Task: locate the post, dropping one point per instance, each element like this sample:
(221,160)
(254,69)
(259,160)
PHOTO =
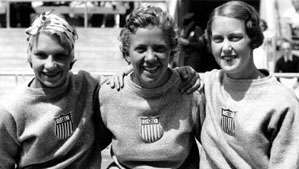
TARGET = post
(86,15)
(7,14)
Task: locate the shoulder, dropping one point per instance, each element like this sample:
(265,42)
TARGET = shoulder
(13,103)
(212,76)
(83,79)
(281,95)
(296,57)
(106,91)
(5,115)
(280,60)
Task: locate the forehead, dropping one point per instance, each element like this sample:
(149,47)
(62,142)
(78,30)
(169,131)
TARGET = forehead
(225,25)
(286,45)
(148,35)
(47,43)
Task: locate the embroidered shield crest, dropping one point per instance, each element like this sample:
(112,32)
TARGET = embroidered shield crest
(64,126)
(228,121)
(151,130)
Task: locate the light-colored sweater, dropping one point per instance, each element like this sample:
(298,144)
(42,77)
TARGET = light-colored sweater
(50,128)
(152,128)
(249,124)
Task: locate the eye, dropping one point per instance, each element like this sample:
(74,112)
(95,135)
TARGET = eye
(217,38)
(61,56)
(41,55)
(235,37)
(140,49)
(160,48)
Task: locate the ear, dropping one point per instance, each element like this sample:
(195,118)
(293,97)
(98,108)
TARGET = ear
(72,63)
(127,58)
(29,60)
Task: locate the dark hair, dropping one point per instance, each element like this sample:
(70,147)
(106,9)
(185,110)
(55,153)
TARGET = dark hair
(242,11)
(143,17)
(264,24)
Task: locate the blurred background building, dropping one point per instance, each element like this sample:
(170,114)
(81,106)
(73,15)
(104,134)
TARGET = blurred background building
(98,24)
(99,21)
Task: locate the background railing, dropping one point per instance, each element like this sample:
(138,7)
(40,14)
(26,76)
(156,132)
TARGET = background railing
(20,77)
(84,9)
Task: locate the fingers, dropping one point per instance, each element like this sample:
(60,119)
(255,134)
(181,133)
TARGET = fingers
(110,82)
(117,83)
(198,85)
(183,73)
(188,85)
(122,79)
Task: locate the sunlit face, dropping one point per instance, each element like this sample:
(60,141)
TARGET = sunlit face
(231,46)
(149,54)
(50,61)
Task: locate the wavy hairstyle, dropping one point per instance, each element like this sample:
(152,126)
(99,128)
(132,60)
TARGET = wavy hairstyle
(146,16)
(244,12)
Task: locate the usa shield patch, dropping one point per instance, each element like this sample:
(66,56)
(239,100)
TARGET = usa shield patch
(151,130)
(64,126)
(228,121)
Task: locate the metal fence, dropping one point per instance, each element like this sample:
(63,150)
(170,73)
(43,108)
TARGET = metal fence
(84,9)
(21,77)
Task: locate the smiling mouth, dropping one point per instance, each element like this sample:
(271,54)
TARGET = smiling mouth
(151,69)
(51,75)
(228,57)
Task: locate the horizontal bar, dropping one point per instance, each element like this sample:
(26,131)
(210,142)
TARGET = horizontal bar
(66,9)
(286,75)
(86,0)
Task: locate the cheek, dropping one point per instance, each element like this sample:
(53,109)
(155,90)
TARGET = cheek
(215,49)
(244,49)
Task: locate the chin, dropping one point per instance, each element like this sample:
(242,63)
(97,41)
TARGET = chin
(52,85)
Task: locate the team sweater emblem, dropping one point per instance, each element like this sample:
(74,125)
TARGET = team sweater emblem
(228,121)
(150,130)
(64,126)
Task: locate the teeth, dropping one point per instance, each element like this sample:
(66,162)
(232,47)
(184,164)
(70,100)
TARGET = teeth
(228,57)
(151,68)
(51,74)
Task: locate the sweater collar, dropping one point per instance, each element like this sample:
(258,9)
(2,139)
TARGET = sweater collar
(50,92)
(155,92)
(245,84)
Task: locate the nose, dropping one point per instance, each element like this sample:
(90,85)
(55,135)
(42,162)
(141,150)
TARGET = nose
(226,47)
(150,55)
(50,63)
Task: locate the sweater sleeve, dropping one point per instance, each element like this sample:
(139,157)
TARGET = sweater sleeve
(8,141)
(103,135)
(284,152)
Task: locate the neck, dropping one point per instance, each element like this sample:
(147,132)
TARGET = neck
(37,84)
(154,85)
(253,73)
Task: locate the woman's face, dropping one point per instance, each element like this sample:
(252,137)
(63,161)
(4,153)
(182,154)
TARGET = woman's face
(149,54)
(50,61)
(231,46)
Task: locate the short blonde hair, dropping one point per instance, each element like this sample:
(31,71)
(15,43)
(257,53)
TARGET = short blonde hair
(53,25)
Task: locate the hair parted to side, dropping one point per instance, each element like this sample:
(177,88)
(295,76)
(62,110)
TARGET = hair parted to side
(244,12)
(53,25)
(146,16)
